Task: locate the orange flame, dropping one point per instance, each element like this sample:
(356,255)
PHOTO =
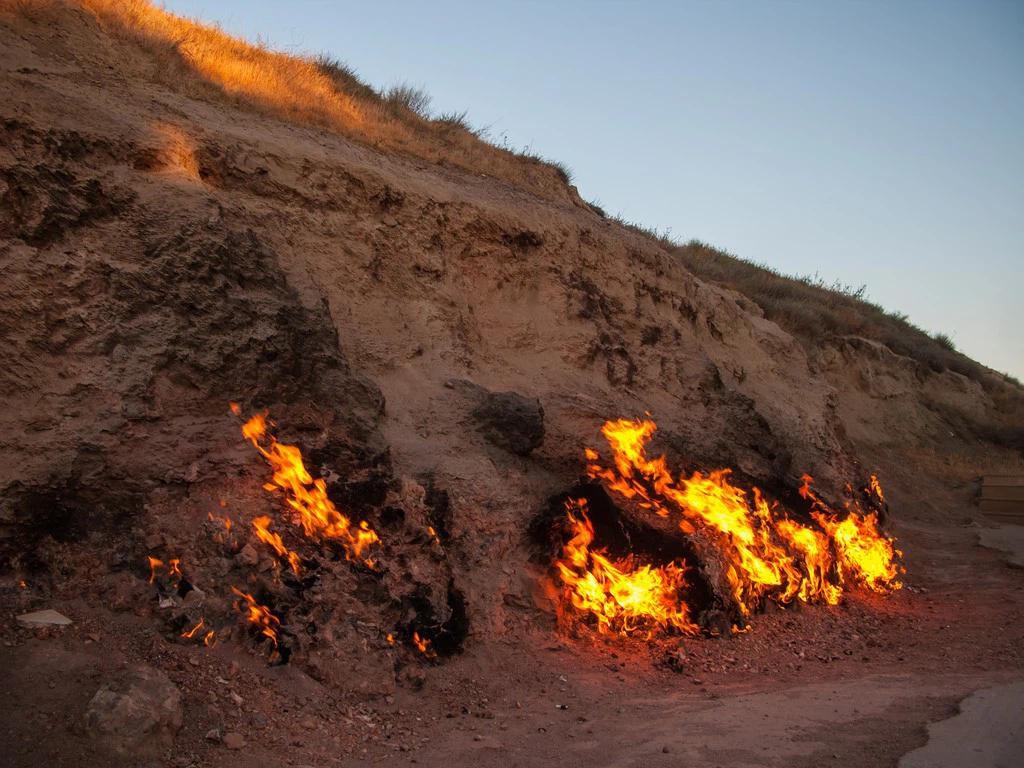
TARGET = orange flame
(261,525)
(875,488)
(307,497)
(767,554)
(423,645)
(188,635)
(173,567)
(155,564)
(258,615)
(622,596)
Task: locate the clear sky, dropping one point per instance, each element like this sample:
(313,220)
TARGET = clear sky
(877,143)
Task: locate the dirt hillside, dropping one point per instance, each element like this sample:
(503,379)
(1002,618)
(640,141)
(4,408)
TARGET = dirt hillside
(167,253)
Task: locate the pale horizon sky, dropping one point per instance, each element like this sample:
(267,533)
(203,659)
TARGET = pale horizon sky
(878,144)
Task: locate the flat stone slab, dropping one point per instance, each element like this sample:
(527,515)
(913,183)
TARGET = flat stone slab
(47,618)
(1008,539)
(987,733)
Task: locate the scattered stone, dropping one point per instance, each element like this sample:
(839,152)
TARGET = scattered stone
(234,741)
(214,735)
(138,714)
(47,618)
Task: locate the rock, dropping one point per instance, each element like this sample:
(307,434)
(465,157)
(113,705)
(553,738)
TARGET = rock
(506,419)
(138,714)
(47,618)
(234,741)
(213,735)
(249,556)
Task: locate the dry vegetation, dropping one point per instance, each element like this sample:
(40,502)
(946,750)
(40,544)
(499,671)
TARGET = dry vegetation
(206,62)
(815,310)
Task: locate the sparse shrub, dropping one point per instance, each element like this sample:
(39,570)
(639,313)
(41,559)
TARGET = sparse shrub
(459,120)
(405,96)
(345,77)
(814,310)
(596,208)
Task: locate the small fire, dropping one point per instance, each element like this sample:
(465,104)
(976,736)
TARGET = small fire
(307,497)
(423,645)
(191,633)
(262,527)
(623,596)
(258,615)
(766,553)
(875,488)
(173,567)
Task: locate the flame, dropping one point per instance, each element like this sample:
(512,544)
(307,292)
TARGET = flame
(875,488)
(623,596)
(766,553)
(423,645)
(173,567)
(258,615)
(188,635)
(316,513)
(261,525)
(210,639)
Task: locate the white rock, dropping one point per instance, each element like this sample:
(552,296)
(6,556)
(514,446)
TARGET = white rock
(47,618)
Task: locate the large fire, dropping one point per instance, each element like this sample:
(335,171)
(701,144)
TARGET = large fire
(766,554)
(306,496)
(623,596)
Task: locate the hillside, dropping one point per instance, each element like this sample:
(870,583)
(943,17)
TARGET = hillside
(442,327)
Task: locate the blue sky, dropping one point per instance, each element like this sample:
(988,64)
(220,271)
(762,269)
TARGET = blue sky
(872,143)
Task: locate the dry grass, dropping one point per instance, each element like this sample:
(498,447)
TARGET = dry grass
(814,310)
(203,61)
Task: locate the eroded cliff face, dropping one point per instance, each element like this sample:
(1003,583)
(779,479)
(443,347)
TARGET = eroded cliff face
(163,256)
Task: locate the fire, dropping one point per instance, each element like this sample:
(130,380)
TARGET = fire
(189,634)
(622,596)
(261,525)
(173,567)
(258,615)
(766,553)
(423,645)
(875,488)
(307,497)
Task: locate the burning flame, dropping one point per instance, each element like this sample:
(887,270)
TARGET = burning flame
(189,634)
(173,567)
(767,554)
(262,527)
(316,513)
(258,615)
(623,597)
(423,645)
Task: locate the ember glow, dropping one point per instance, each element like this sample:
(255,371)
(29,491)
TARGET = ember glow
(765,552)
(307,497)
(623,596)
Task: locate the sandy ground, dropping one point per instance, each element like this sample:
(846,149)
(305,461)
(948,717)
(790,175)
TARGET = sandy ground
(854,685)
